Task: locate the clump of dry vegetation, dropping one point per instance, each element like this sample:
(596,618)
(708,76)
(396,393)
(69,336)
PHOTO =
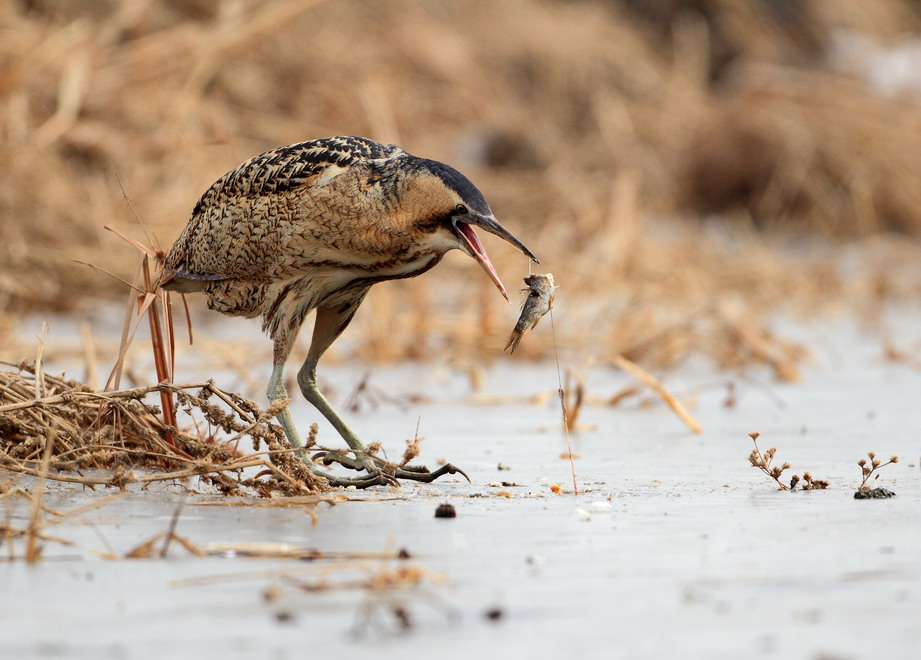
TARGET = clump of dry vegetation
(119,432)
(763,461)
(581,122)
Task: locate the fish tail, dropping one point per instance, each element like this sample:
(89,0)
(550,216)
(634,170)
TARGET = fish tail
(513,340)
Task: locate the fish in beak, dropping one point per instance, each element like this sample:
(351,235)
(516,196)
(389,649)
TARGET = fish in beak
(470,242)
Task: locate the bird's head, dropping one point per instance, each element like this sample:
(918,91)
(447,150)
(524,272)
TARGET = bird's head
(449,207)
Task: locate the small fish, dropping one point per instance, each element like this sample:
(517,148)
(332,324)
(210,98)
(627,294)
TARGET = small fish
(537,303)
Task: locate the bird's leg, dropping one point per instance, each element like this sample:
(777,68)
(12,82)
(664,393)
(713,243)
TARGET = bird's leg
(307,379)
(276,391)
(329,324)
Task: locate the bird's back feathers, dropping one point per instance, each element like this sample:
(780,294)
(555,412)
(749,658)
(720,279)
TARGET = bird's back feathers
(286,230)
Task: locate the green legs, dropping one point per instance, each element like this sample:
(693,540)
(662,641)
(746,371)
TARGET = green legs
(330,322)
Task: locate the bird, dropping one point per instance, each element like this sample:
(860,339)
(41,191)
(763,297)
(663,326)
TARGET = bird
(310,227)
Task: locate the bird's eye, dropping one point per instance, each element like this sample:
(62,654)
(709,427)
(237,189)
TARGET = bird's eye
(460,209)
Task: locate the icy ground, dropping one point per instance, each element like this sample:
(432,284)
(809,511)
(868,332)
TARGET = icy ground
(676,547)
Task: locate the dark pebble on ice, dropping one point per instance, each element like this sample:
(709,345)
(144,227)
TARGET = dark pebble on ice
(445,511)
(875,494)
(283,616)
(494,613)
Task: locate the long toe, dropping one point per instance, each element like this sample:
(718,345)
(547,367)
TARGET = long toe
(370,464)
(380,473)
(374,479)
(420,473)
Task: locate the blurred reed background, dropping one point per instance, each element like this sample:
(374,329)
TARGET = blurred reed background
(687,169)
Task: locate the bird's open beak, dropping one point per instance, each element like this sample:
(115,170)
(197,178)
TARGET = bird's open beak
(470,243)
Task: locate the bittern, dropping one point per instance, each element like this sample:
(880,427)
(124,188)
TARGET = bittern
(312,226)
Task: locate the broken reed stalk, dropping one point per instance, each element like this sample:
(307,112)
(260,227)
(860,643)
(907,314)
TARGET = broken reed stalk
(33,550)
(89,356)
(758,340)
(151,298)
(578,396)
(651,381)
(562,393)
(39,364)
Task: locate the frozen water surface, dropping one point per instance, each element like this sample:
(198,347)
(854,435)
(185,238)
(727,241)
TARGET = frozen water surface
(680,548)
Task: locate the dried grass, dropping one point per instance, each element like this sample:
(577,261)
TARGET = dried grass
(584,123)
(763,461)
(653,383)
(119,432)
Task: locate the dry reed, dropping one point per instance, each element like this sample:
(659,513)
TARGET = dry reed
(581,121)
(653,383)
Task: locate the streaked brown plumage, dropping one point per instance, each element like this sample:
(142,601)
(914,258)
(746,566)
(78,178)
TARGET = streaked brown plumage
(313,226)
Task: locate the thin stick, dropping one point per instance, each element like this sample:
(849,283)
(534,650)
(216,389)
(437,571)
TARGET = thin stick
(115,376)
(39,367)
(33,550)
(113,275)
(650,380)
(559,376)
(188,317)
(89,356)
(230,402)
(133,393)
(161,363)
(140,479)
(170,333)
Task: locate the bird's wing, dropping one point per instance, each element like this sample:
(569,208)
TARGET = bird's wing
(233,227)
(290,167)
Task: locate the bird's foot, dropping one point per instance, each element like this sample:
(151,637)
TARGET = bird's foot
(422,473)
(376,466)
(376,478)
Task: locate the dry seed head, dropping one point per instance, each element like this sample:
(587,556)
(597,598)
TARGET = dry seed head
(876,462)
(893,459)
(785,466)
(754,435)
(871,454)
(866,470)
(312,436)
(862,462)
(807,476)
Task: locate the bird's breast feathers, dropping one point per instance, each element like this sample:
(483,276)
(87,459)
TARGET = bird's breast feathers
(325,204)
